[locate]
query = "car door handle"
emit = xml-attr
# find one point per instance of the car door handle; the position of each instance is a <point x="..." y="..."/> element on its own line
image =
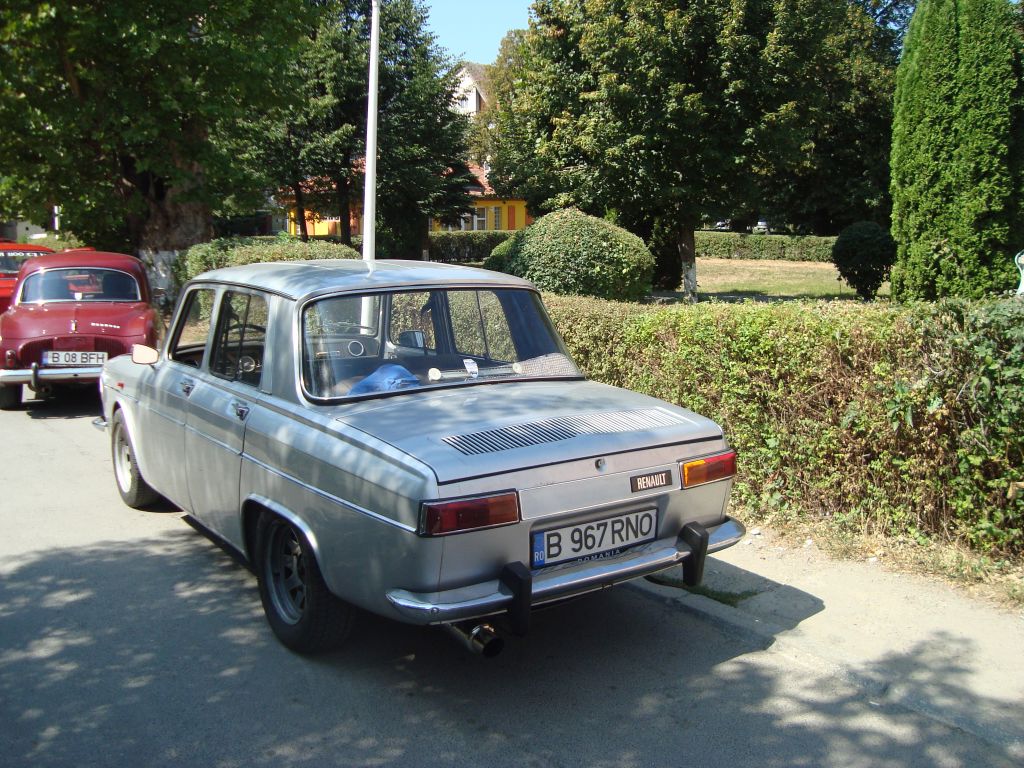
<point x="187" y="385"/>
<point x="241" y="409"/>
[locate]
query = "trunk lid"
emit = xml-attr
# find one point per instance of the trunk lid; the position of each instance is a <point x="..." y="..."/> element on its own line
<point x="492" y="429"/>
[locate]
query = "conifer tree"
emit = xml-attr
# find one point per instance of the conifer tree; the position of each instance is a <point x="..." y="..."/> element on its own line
<point x="956" y="159"/>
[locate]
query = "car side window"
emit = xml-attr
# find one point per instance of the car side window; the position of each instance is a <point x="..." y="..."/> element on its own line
<point x="189" y="340"/>
<point x="241" y="338"/>
<point x="480" y="327"/>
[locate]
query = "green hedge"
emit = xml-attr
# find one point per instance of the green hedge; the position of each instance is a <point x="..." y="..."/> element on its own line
<point x="232" y="251"/>
<point x="733" y="245"/>
<point x="904" y="421"/>
<point x="458" y="247"/>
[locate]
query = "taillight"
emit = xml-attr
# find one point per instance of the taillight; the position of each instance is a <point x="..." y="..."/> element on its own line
<point x="439" y="518"/>
<point x="710" y="469"/>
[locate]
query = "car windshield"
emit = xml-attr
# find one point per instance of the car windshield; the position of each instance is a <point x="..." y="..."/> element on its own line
<point x="11" y="261"/>
<point x="80" y="284"/>
<point x="366" y="344"/>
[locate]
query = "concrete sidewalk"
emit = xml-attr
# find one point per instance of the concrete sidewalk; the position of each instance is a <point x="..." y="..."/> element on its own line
<point x="904" y="639"/>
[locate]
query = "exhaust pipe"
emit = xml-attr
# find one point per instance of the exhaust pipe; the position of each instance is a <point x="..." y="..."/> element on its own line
<point x="481" y="639"/>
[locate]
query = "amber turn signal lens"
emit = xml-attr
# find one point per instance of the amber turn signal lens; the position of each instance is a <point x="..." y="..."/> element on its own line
<point x="710" y="469"/>
<point x="439" y="518"/>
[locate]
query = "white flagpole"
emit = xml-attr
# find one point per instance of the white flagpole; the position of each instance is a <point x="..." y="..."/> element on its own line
<point x="370" y="178"/>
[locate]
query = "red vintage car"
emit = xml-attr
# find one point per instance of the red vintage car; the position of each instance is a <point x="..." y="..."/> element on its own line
<point x="69" y="313"/>
<point x="12" y="256"/>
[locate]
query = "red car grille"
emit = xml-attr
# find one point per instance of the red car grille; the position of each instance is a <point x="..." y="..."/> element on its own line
<point x="32" y="351"/>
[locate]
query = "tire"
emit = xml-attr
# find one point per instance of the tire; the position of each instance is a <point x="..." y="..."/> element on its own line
<point x="10" y="396"/>
<point x="132" y="486"/>
<point x="304" y="615"/>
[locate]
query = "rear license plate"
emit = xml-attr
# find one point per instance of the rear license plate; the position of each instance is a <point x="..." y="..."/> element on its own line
<point x="592" y="541"/>
<point x="61" y="357"/>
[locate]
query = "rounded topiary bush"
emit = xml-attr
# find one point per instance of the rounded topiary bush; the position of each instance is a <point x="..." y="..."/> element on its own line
<point x="864" y="254"/>
<point x="571" y="253"/>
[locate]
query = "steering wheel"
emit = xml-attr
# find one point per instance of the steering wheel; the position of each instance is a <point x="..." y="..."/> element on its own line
<point x="243" y="327"/>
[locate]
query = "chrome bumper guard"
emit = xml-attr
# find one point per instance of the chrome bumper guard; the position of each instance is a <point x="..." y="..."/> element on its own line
<point x="519" y="589"/>
<point x="37" y="376"/>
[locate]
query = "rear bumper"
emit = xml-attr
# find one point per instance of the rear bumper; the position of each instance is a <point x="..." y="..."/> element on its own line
<point x="36" y="376"/>
<point x="517" y="595"/>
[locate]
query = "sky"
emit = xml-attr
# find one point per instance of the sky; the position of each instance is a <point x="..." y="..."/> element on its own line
<point x="472" y="29"/>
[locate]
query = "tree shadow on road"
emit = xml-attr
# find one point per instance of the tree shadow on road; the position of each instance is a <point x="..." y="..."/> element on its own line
<point x="156" y="653"/>
<point x="72" y="403"/>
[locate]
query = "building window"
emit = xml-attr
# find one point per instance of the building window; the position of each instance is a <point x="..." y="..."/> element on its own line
<point x="480" y="222"/>
<point x="496" y="210"/>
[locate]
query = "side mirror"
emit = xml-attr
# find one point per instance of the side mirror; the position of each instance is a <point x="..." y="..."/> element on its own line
<point x="414" y="339"/>
<point x="143" y="355"/>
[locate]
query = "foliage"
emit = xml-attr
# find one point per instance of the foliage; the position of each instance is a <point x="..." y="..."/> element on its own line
<point x="58" y="241"/>
<point x="863" y="254"/>
<point x="233" y="251"/>
<point x="113" y="110"/>
<point x="841" y="174"/>
<point x="572" y="253"/>
<point x="958" y="149"/>
<point x="731" y="245"/>
<point x="897" y="420"/>
<point x="315" y="147"/>
<point x="455" y="247"/>
<point x="658" y="114"/>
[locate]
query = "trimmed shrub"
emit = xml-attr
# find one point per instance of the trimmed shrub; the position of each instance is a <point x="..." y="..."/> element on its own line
<point x="864" y="254"/>
<point x="58" y="241"/>
<point x="734" y="245"/>
<point x="460" y="247"/>
<point x="569" y="252"/>
<point x="879" y="418"/>
<point x="233" y="251"/>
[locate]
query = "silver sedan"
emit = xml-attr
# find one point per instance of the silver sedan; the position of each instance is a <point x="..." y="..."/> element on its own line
<point x="412" y="439"/>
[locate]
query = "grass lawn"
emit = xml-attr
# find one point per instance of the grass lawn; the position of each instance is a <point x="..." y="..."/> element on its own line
<point x="737" y="279"/>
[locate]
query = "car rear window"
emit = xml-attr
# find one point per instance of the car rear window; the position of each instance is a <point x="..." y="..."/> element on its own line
<point x="80" y="284"/>
<point x="366" y="344"/>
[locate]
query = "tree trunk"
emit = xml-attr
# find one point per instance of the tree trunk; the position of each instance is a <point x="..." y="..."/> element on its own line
<point x="300" y="211"/>
<point x="343" y="190"/>
<point x="687" y="247"/>
<point x="166" y="227"/>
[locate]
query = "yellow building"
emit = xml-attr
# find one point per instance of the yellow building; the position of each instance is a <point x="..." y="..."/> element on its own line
<point x="490" y="212"/>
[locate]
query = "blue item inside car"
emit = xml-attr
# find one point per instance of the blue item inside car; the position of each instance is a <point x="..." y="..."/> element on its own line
<point x="385" y="379"/>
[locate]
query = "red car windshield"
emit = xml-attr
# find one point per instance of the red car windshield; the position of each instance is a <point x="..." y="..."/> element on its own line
<point x="80" y="284"/>
<point x="11" y="261"/>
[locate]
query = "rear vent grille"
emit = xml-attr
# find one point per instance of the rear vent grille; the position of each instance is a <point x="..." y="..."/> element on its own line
<point x="554" y="430"/>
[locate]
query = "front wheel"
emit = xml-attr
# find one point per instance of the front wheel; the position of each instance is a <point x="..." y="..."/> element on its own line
<point x="301" y="611"/>
<point x="132" y="486"/>
<point x="10" y="396"/>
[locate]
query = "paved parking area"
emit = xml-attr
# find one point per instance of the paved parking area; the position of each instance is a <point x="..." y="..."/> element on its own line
<point x="128" y="639"/>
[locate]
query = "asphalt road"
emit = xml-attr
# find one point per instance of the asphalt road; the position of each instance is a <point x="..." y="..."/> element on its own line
<point x="127" y="639"/>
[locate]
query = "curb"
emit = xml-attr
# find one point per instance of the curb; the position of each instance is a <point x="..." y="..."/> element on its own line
<point x="764" y="635"/>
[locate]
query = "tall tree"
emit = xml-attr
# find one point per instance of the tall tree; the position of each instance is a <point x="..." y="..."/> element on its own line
<point x="841" y="173"/>
<point x="958" y="146"/>
<point x="421" y="169"/>
<point x="117" y="105"/>
<point x="659" y="113"/>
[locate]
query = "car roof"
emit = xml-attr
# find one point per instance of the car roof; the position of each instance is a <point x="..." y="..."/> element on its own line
<point x="82" y="257"/>
<point x="296" y="279"/>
